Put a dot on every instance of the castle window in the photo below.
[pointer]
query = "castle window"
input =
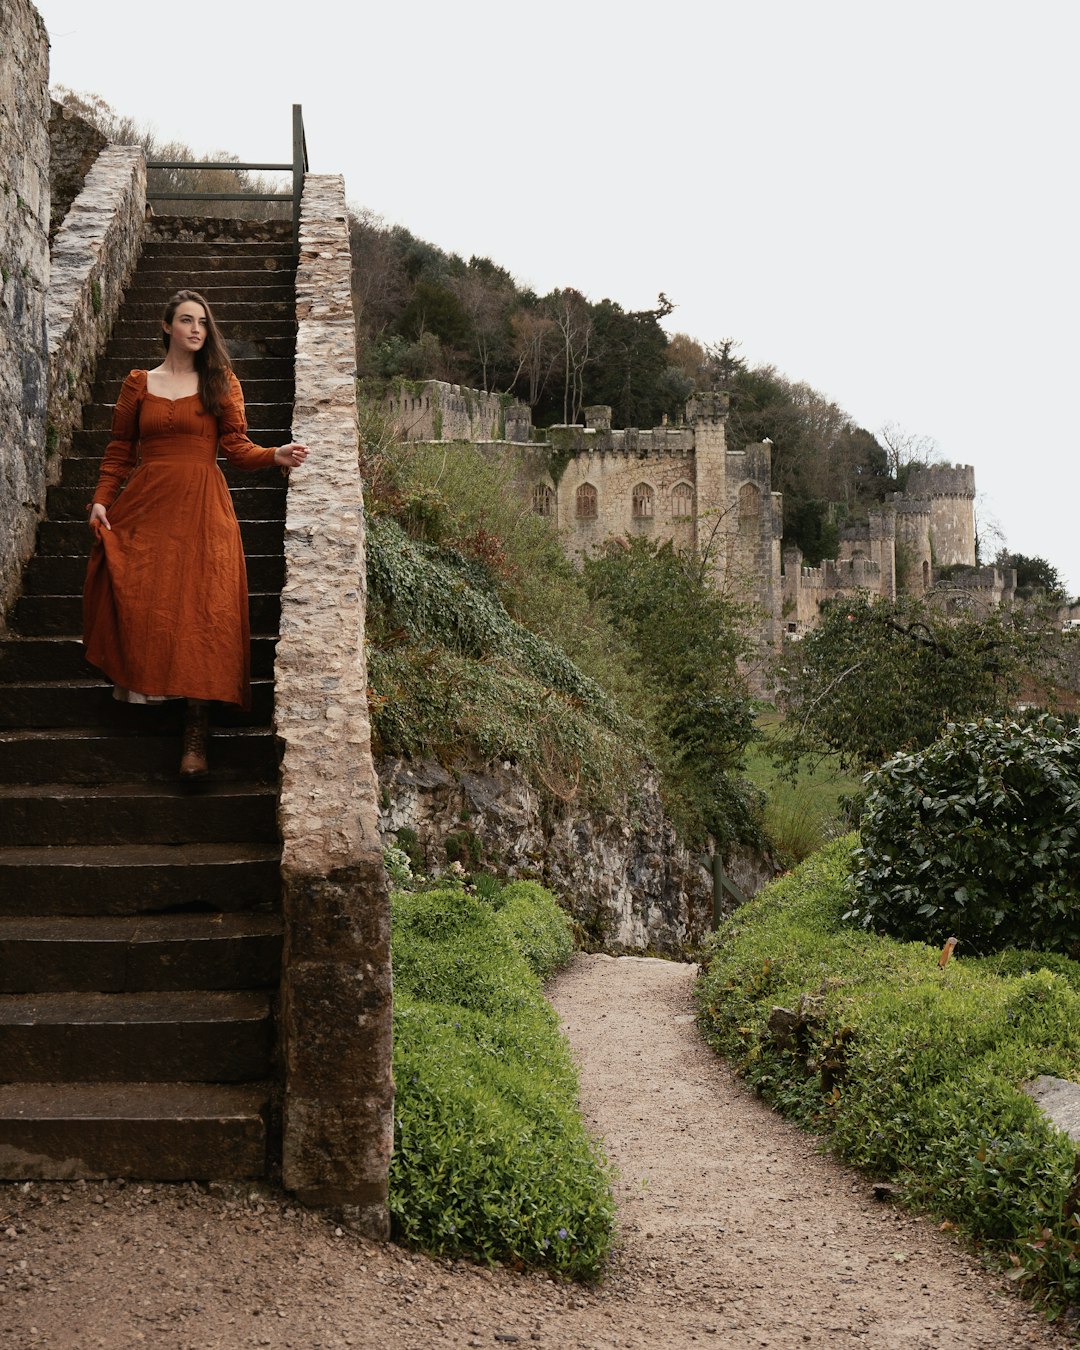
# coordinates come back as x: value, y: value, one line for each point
x: 543, y: 500
x: 585, y: 502
x: 643, y: 502
x: 682, y: 501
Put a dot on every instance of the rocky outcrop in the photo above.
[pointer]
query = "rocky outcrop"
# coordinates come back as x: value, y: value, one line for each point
x: 626, y: 878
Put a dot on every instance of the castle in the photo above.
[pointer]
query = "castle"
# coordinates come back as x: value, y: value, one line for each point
x: 684, y: 484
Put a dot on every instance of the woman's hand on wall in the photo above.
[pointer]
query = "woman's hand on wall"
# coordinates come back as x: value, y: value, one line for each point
x: 290, y: 456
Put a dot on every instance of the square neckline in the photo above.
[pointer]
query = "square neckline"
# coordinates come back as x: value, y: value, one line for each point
x: 164, y: 398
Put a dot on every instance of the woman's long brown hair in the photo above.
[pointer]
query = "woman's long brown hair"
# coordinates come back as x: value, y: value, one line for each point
x: 212, y: 362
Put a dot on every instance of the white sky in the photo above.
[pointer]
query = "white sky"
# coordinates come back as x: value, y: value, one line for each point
x: 877, y: 198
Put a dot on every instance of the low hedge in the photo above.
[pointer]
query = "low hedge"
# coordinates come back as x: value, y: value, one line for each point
x: 911, y: 1071
x: 491, y: 1155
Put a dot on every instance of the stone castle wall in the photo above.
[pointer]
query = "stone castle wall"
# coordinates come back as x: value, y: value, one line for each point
x: 595, y: 483
x: 437, y: 411
x: 24, y: 280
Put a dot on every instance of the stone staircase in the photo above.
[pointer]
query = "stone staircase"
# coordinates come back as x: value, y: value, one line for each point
x: 140, y: 929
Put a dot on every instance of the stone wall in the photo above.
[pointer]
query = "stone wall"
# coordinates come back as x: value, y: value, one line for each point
x: 950, y: 490
x: 336, y: 982
x: 94, y: 255
x: 24, y: 279
x: 73, y: 146
x: 625, y: 878
x: 433, y: 410
x: 978, y: 591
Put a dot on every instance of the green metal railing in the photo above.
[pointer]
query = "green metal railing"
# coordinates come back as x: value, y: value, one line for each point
x: 298, y: 167
x: 723, y: 888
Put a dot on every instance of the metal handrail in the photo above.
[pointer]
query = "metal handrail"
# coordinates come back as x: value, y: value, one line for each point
x: 298, y: 165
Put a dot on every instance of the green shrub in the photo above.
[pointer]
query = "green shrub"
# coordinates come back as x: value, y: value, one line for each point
x: 911, y: 1071
x: 540, y: 930
x: 491, y: 1157
x: 977, y: 837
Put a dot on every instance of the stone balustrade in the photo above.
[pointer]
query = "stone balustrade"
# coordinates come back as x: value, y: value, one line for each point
x: 336, y: 996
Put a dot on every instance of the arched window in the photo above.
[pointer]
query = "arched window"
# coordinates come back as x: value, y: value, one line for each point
x: 749, y: 501
x: 926, y: 576
x: 643, y: 502
x: 585, y: 502
x: 543, y: 500
x: 682, y: 501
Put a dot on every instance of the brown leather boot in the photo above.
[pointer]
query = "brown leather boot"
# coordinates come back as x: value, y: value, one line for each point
x: 196, y: 734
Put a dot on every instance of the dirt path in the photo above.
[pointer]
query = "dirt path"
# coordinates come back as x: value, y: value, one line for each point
x: 734, y: 1234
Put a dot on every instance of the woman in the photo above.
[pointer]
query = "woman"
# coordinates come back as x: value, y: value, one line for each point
x: 165, y: 606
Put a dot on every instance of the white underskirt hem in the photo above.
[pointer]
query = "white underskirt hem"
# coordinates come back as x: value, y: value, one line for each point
x: 123, y: 695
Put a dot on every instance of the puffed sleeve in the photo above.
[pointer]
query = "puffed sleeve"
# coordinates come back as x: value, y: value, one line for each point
x: 120, y: 453
x: 232, y: 432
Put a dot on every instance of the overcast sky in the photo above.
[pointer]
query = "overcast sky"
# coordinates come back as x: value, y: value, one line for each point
x: 877, y: 198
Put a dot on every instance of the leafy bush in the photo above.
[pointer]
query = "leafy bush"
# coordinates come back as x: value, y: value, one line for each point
x: 977, y: 837
x: 491, y: 1157
x: 540, y: 930
x: 688, y: 641
x: 880, y: 677
x: 911, y: 1071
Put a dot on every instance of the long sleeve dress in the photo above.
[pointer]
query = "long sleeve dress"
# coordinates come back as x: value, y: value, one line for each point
x: 165, y: 606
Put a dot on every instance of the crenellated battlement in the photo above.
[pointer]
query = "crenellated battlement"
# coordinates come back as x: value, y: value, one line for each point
x: 942, y: 480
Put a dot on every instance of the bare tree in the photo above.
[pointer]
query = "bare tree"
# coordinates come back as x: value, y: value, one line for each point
x: 534, y: 350
x: 486, y: 305
x: 570, y: 311
x: 904, y: 447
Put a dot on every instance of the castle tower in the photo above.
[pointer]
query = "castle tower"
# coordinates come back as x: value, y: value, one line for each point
x: 707, y: 413
x: 950, y: 490
x: 913, y: 559
x: 882, y: 525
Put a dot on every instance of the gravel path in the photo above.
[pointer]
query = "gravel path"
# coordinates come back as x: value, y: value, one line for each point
x: 734, y: 1233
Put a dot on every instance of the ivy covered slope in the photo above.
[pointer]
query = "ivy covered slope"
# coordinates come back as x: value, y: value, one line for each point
x: 912, y: 1071
x: 484, y: 643
x: 491, y: 1156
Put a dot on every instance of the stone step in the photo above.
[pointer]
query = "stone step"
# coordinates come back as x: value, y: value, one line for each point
x: 71, y: 814
x: 111, y: 371
x: 146, y: 1131
x: 200, y: 1036
x: 39, y: 615
x: 72, y: 538
x: 228, y: 313
x: 130, y: 755
x: 250, y: 503
x: 211, y: 254
x: 89, y: 703
x: 99, y: 415
x: 42, y: 659
x: 65, y: 576
x: 155, y: 285
x: 251, y: 329
x: 91, y: 443
x: 123, y: 955
x: 81, y: 471
x: 260, y: 396
x: 142, y: 350
x: 138, y: 879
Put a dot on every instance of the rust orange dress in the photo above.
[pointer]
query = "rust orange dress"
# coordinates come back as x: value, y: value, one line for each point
x: 165, y: 606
